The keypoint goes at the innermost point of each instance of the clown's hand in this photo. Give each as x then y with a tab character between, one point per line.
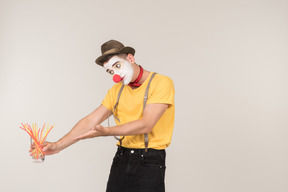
96	131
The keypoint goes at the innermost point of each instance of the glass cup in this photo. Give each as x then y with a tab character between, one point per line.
40	158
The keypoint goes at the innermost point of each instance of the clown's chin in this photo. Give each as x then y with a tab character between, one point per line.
126	80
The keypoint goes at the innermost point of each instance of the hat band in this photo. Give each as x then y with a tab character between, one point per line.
110	51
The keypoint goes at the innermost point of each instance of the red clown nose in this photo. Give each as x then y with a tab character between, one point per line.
117	78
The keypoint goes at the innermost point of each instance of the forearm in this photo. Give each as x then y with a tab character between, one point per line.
132	128
152	114
84	125
81	127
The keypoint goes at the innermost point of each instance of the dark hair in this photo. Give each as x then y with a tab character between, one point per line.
108	57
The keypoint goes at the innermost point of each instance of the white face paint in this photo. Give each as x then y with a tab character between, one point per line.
118	66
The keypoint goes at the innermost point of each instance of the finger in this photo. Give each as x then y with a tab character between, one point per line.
32	147
32	152
43	145
45	148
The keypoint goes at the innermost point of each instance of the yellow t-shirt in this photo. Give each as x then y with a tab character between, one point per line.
130	108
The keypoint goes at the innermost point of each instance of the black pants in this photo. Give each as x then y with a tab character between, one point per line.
134	170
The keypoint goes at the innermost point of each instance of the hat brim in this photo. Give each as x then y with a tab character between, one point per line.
126	50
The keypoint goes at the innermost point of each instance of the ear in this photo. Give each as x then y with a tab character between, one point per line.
130	58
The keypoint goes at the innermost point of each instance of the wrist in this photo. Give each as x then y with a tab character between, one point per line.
59	146
107	131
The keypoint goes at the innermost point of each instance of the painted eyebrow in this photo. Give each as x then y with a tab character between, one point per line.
115	63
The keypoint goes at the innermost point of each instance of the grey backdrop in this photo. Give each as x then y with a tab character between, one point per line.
228	60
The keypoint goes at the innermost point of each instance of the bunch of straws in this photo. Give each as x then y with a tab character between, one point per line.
38	137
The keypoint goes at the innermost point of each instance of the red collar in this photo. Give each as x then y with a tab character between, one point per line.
135	83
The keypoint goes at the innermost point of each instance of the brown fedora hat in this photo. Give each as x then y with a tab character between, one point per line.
113	47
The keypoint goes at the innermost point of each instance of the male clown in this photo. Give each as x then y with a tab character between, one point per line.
145	125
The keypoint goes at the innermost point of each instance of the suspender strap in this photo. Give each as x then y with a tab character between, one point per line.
113	112
144	105
115	106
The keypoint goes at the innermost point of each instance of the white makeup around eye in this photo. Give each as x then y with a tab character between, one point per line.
111	62
120	67
111	72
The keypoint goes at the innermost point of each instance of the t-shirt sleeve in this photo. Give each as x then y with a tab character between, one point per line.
108	100
163	92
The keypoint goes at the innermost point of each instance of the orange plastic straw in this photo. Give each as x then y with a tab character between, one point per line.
37	136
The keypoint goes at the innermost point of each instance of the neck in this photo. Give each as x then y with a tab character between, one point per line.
144	76
137	70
